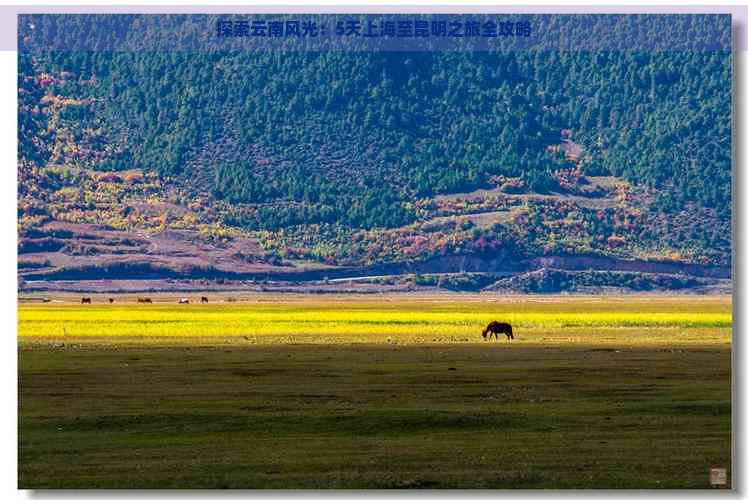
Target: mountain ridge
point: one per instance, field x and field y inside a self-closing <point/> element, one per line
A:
<point x="364" y="160"/>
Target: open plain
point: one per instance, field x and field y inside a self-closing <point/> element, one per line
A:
<point x="388" y="392"/>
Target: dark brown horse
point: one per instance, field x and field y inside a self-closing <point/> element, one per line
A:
<point x="495" y="328"/>
<point x="86" y="300"/>
<point x="203" y="300"/>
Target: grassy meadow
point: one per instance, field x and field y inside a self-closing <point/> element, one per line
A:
<point x="387" y="392"/>
<point x="635" y="321"/>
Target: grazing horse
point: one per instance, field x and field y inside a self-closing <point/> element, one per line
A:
<point x="203" y="300"/>
<point x="495" y="328"/>
<point x="111" y="300"/>
<point x="184" y="301"/>
<point x="86" y="300"/>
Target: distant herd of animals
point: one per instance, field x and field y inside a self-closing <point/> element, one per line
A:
<point x="493" y="328"/>
<point x="147" y="300"/>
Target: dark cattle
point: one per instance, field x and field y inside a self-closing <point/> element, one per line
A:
<point x="144" y="300"/>
<point x="495" y="328"/>
<point x="111" y="300"/>
<point x="203" y="300"/>
<point x="86" y="300"/>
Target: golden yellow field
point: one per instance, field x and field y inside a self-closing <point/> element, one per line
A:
<point x="620" y="320"/>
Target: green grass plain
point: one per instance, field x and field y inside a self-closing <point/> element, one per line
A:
<point x="394" y="392"/>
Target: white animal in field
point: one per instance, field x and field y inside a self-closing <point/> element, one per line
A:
<point x="184" y="300"/>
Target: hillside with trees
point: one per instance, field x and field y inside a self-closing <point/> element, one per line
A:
<point x="274" y="165"/>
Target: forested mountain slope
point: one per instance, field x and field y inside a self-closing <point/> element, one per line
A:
<point x="287" y="161"/>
